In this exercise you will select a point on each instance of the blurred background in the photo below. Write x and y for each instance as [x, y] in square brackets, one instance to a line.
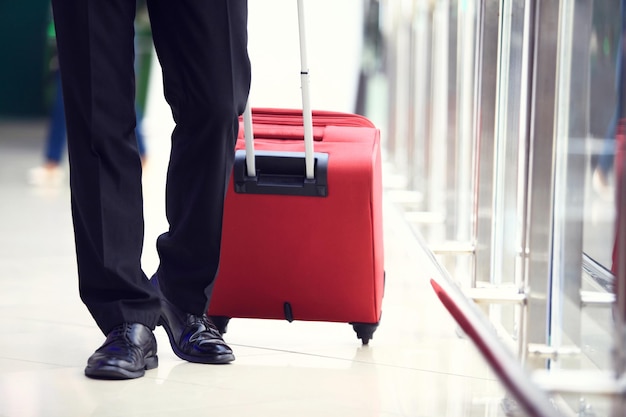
[498, 121]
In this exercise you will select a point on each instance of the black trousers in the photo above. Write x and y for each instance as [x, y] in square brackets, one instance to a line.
[202, 48]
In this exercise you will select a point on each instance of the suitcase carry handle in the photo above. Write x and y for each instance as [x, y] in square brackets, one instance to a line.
[307, 113]
[294, 133]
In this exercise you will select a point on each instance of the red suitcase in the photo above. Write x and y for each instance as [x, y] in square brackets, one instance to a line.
[300, 248]
[289, 255]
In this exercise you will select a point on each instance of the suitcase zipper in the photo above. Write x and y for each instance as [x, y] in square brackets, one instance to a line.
[292, 117]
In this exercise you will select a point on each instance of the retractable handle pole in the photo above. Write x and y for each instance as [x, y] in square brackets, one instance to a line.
[249, 139]
[307, 113]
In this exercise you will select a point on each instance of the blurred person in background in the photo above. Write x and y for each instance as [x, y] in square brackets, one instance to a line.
[50, 173]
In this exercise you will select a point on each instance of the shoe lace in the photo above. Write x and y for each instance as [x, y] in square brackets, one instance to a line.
[118, 338]
[120, 330]
[205, 322]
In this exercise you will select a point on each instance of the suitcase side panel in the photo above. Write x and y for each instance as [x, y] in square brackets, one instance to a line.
[322, 255]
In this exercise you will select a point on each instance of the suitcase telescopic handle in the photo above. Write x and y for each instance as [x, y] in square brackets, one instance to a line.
[307, 113]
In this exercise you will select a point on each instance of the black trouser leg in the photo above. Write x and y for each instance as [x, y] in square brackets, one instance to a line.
[202, 47]
[95, 40]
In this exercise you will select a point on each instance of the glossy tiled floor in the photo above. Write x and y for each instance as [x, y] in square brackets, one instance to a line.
[416, 365]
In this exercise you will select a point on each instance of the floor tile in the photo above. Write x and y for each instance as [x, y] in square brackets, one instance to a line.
[416, 364]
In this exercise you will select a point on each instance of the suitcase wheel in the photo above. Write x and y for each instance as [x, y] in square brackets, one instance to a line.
[221, 322]
[365, 331]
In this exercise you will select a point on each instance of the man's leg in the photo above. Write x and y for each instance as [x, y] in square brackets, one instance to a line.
[202, 47]
[95, 42]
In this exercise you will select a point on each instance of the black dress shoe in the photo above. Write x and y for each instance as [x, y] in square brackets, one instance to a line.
[193, 338]
[128, 351]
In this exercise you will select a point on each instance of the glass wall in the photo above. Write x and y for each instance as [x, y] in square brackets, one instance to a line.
[502, 125]
[599, 173]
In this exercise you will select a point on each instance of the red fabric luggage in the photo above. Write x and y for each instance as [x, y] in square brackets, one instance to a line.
[301, 249]
[302, 234]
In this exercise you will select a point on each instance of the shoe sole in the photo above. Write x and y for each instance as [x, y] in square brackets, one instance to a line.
[116, 373]
[212, 360]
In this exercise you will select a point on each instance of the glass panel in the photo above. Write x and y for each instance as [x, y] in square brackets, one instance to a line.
[509, 182]
[440, 135]
[487, 76]
[583, 204]
[599, 193]
[540, 174]
[584, 179]
[443, 127]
